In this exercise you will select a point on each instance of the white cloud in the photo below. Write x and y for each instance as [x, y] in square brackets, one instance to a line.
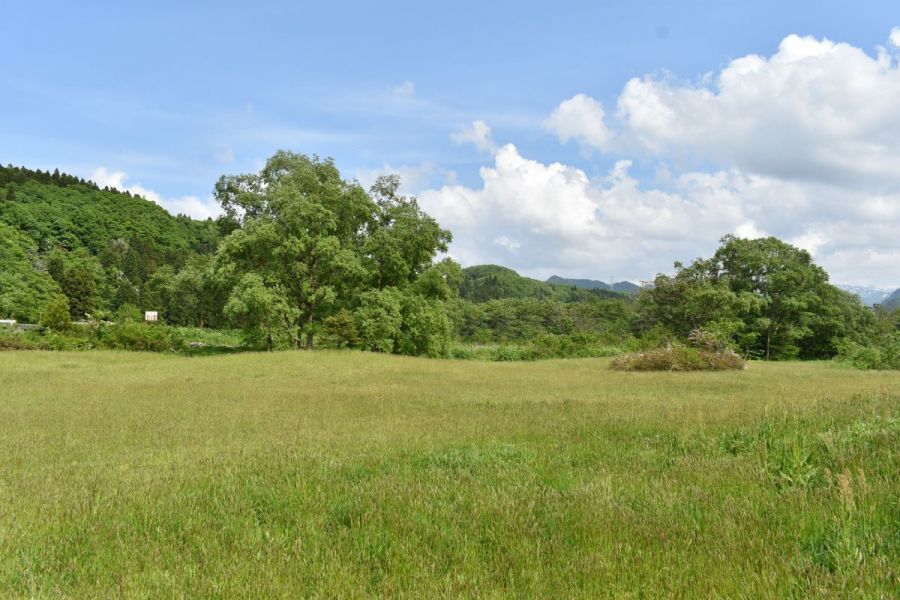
[479, 134]
[895, 37]
[749, 231]
[814, 110]
[803, 145]
[544, 219]
[188, 205]
[580, 118]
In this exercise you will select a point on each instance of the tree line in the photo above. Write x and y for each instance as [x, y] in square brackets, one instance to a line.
[302, 257]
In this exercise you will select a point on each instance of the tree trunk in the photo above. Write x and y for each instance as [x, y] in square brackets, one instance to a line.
[309, 322]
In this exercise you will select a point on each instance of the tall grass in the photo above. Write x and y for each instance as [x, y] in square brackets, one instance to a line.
[351, 474]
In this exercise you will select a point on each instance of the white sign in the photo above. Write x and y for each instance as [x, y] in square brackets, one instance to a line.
[151, 315]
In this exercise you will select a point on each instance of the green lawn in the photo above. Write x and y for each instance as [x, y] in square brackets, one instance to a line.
[349, 474]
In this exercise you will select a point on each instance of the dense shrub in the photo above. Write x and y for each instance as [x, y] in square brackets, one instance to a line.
[139, 336]
[56, 314]
[10, 340]
[128, 313]
[883, 353]
[678, 358]
[339, 331]
[579, 345]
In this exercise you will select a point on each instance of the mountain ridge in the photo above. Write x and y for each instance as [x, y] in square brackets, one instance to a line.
[594, 284]
[869, 295]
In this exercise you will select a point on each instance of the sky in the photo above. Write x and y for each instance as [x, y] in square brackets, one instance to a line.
[603, 140]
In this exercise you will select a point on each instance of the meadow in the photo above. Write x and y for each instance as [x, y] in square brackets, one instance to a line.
[349, 474]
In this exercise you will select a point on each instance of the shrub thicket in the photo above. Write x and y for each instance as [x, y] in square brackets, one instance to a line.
[883, 353]
[139, 336]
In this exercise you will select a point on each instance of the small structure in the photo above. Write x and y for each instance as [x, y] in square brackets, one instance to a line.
[7, 322]
[151, 316]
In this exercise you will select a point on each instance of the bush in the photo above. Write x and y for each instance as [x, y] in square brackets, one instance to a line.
[511, 354]
[128, 313]
[139, 336]
[883, 353]
[56, 314]
[10, 340]
[578, 345]
[678, 358]
[339, 331]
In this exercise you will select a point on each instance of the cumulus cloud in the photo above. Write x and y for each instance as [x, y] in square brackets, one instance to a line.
[545, 219]
[895, 37]
[552, 218]
[814, 110]
[478, 134]
[191, 206]
[803, 144]
[580, 118]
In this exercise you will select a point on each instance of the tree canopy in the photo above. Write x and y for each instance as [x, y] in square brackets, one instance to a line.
[307, 244]
[764, 294]
[99, 247]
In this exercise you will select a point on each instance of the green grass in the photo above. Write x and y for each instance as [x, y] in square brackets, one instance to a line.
[351, 474]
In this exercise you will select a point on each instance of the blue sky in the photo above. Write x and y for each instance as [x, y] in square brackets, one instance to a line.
[165, 97]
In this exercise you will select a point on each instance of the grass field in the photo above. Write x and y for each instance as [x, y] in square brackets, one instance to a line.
[349, 474]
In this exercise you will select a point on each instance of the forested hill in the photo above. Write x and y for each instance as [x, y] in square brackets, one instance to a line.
[62, 210]
[593, 284]
[99, 246]
[492, 282]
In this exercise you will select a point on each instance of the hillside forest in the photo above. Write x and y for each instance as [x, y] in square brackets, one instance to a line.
[302, 257]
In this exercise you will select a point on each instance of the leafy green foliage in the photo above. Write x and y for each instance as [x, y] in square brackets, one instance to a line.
[128, 313]
[492, 282]
[263, 312]
[516, 320]
[593, 284]
[55, 315]
[879, 353]
[340, 331]
[99, 247]
[309, 254]
[765, 295]
[25, 285]
[307, 245]
[138, 336]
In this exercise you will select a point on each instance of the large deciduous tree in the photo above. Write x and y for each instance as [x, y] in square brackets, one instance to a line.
[769, 297]
[317, 244]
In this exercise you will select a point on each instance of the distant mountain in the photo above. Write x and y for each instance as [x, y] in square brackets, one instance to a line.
[492, 282]
[869, 295]
[892, 302]
[593, 284]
